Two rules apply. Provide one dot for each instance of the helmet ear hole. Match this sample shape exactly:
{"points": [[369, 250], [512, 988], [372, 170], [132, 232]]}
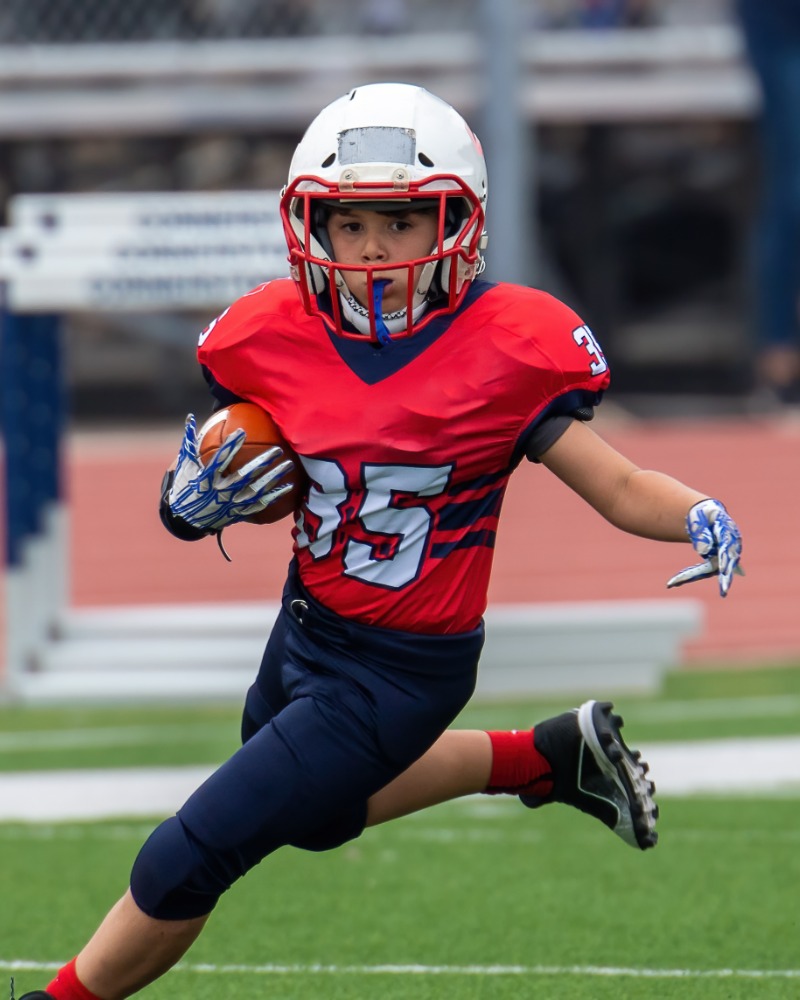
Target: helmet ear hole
{"points": [[453, 219], [319, 228]]}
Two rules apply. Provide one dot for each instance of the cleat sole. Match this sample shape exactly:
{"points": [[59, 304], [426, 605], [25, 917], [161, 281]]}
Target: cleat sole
{"points": [[626, 771]]}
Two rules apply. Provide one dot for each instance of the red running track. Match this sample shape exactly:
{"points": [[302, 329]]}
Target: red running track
{"points": [[551, 546]]}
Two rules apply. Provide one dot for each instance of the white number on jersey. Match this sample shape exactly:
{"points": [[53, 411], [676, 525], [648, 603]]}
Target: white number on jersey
{"points": [[584, 337], [394, 535], [207, 332]]}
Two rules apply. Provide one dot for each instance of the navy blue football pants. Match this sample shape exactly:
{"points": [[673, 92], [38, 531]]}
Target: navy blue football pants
{"points": [[337, 711]]}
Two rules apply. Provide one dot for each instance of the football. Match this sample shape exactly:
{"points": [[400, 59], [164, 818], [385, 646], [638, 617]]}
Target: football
{"points": [[261, 433]]}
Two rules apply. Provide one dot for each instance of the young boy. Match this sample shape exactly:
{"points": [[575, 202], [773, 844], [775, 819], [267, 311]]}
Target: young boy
{"points": [[410, 389]]}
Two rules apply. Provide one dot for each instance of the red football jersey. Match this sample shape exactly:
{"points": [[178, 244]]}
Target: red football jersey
{"points": [[408, 447]]}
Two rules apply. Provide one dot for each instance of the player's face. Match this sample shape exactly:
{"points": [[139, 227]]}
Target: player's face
{"points": [[363, 237]]}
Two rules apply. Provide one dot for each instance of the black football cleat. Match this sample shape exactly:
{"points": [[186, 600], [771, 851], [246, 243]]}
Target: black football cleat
{"points": [[594, 771], [36, 995]]}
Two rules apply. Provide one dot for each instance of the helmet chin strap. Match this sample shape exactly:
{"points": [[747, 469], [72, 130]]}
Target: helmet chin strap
{"points": [[381, 329]]}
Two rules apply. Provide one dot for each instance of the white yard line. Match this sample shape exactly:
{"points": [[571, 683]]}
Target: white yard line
{"points": [[749, 766], [20, 965]]}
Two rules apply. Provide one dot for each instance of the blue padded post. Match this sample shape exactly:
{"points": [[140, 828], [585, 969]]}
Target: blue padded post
{"points": [[32, 410]]}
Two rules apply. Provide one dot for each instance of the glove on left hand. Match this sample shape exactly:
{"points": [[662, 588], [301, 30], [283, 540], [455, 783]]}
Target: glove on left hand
{"points": [[717, 540]]}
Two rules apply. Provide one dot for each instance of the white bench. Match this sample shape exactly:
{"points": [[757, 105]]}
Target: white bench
{"points": [[213, 651]]}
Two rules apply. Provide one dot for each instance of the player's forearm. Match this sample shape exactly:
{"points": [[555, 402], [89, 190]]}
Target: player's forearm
{"points": [[639, 501], [652, 505]]}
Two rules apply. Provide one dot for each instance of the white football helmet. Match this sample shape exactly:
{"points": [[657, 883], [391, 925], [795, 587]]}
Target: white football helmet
{"points": [[386, 146]]}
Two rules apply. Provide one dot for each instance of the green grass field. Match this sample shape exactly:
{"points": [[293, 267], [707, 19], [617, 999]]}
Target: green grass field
{"points": [[473, 899]]}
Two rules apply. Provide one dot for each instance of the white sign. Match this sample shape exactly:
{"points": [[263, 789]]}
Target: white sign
{"points": [[139, 251]]}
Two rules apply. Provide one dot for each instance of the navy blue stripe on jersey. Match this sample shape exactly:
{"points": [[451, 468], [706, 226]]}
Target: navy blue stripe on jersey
{"points": [[466, 512], [372, 363], [471, 540], [478, 483]]}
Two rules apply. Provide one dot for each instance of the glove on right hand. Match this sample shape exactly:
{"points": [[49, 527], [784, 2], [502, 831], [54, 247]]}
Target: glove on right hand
{"points": [[207, 498]]}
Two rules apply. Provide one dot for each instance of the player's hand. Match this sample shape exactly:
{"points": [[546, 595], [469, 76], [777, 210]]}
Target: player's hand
{"points": [[210, 499], [717, 540]]}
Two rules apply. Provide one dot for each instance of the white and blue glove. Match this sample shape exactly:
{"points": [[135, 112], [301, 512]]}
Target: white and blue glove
{"points": [[717, 540], [208, 499]]}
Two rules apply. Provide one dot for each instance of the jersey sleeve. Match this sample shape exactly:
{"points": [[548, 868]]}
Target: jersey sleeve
{"points": [[571, 375], [226, 347]]}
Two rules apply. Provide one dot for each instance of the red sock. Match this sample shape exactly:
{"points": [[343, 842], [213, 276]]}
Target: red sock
{"points": [[517, 766], [67, 986]]}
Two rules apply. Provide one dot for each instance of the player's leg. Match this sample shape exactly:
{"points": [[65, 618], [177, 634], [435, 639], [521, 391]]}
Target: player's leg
{"points": [[578, 758], [127, 951], [319, 741], [459, 763], [258, 800]]}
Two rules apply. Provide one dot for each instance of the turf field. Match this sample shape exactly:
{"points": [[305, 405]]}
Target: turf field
{"points": [[474, 899]]}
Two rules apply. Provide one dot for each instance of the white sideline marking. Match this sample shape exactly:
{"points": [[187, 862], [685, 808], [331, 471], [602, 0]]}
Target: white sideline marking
{"points": [[20, 965], [750, 767]]}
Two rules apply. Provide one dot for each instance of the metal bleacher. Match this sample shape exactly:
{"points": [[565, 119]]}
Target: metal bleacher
{"points": [[157, 88]]}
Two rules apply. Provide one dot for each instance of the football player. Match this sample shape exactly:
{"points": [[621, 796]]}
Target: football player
{"points": [[410, 388]]}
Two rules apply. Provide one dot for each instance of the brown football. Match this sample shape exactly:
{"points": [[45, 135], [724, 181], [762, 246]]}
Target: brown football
{"points": [[261, 433]]}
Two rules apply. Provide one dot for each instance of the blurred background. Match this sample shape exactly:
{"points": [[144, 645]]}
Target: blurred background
{"points": [[644, 166], [634, 148]]}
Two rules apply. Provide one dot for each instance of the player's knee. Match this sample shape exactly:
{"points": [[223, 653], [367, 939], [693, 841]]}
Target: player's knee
{"points": [[175, 877], [346, 826]]}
